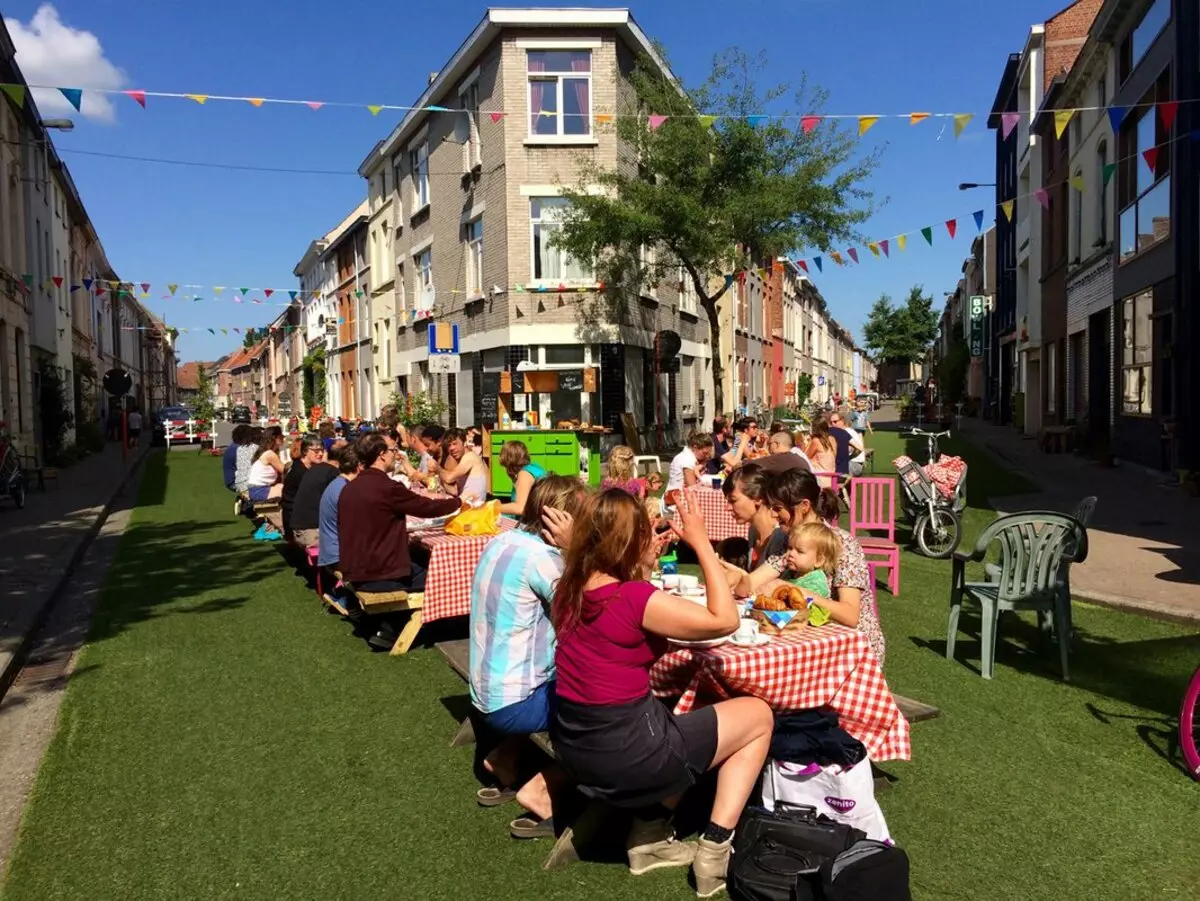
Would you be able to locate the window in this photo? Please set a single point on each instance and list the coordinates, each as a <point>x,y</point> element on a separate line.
<point>545,214</point>
<point>468,99</point>
<point>383,184</point>
<point>400,300</point>
<point>1077,221</point>
<point>474,238</point>
<point>1102,94</point>
<point>419,164</point>
<point>1136,354</point>
<point>396,168</point>
<point>687,292</point>
<point>560,92</point>
<point>1135,45</point>
<point>423,275</point>
<point>1145,191</point>
<point>646,259</point>
<point>1101,195</point>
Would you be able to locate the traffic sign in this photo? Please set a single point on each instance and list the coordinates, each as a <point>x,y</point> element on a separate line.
<point>445,363</point>
<point>117,382</point>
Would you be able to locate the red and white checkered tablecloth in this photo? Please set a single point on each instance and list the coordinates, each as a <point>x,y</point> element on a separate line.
<point>452,562</point>
<point>719,521</point>
<point>831,666</point>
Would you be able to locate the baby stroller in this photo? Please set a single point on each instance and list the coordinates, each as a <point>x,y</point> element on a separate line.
<point>934,498</point>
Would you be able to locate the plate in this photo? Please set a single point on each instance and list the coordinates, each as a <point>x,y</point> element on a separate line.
<point>711,643</point>
<point>758,641</point>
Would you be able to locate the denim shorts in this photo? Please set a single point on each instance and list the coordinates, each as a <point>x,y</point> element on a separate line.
<point>259,493</point>
<point>525,717</point>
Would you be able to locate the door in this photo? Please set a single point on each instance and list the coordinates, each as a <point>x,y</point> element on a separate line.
<point>1099,377</point>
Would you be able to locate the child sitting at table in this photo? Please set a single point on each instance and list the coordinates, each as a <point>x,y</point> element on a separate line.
<point>814,550</point>
<point>654,482</point>
<point>621,473</point>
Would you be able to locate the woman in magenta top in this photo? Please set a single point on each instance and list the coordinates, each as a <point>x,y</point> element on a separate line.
<point>616,739</point>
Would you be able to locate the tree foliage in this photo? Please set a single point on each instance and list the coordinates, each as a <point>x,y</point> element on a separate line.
<point>712,196</point>
<point>54,404</point>
<point>313,386</point>
<point>252,336</point>
<point>952,369</point>
<point>902,334</point>
<point>205,407</point>
<point>415,409</point>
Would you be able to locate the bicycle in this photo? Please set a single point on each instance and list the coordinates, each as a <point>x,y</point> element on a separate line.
<point>931,441</point>
<point>1189,726</point>
<point>936,519</point>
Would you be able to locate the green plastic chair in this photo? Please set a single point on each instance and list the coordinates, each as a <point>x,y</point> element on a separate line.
<point>1034,547</point>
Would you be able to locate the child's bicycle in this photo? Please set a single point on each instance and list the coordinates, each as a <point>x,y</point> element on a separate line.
<point>1189,726</point>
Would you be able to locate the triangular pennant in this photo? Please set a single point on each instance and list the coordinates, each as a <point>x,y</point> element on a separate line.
<point>883,245</point>
<point>87,284</point>
<point>706,121</point>
<point>1008,121</point>
<point>902,242</point>
<point>375,109</point>
<point>961,120</point>
<point>211,332</point>
<point>217,289</point>
<point>1166,113</point>
<point>873,247</point>
<point>74,97</point>
<point>865,123</point>
<point>951,227</point>
<point>145,286</point>
<point>74,288</point>
<point>1116,115</point>
<point>1109,169</point>
<point>224,331</point>
<point>267,292</point>
<point>803,265</point>
<point>808,123</point>
<point>495,117</point>
<point>817,263</point>
<point>836,257</point>
<point>358,294</point>
<point>603,118</point>
<point>914,118</point>
<point>199,98</point>
<point>927,234</point>
<point>1077,183</point>
<point>244,291</point>
<point>1043,197</point>
<point>138,96</point>
<point>1007,206</point>
<point>172,289</point>
<point>236,330</point>
<point>755,121</point>
<point>656,121</point>
<point>313,104</point>
<point>57,279</point>
<point>1151,158</point>
<point>1062,118</point>
<point>978,214</point>
<point>853,253</point>
<point>16,92</point>
<point>255,101</point>
<point>292,295</point>
<point>433,108</point>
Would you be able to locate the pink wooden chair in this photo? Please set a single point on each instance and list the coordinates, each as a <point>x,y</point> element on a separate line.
<point>835,482</point>
<point>873,509</point>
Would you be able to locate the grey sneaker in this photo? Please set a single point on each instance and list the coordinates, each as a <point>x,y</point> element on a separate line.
<point>652,845</point>
<point>710,867</point>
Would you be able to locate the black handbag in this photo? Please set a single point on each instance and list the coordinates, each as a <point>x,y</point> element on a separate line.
<point>778,855</point>
<point>869,871</point>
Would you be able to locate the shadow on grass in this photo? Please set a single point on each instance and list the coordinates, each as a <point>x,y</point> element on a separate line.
<point>1159,734</point>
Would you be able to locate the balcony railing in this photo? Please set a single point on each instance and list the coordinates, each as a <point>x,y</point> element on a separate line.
<point>1147,220</point>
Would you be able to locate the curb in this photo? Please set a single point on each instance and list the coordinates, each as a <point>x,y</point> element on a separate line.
<point>1141,608</point>
<point>12,666</point>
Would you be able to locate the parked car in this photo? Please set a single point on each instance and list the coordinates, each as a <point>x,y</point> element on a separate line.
<point>240,415</point>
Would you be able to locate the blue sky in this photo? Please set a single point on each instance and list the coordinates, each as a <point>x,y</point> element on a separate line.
<point>165,223</point>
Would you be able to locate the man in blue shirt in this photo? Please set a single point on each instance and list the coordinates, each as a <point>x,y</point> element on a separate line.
<point>328,549</point>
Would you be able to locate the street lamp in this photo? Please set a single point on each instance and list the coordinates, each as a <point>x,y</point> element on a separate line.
<point>967,185</point>
<point>56,125</point>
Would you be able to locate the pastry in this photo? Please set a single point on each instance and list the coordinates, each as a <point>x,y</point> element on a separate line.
<point>791,596</point>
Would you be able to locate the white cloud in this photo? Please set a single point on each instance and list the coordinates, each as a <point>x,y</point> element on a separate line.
<point>52,53</point>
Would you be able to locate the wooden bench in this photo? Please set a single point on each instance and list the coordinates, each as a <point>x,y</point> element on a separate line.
<point>374,603</point>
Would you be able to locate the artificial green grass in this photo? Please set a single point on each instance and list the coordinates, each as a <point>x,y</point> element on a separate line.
<point>223,738</point>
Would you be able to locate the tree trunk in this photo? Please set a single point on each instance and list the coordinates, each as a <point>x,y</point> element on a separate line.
<point>718,370</point>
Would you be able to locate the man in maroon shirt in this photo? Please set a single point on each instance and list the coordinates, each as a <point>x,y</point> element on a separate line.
<point>372,532</point>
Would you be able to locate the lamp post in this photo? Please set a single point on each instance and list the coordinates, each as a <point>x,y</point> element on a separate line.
<point>968,185</point>
<point>56,125</point>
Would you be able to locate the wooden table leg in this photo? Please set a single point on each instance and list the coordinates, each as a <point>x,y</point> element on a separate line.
<point>465,734</point>
<point>578,836</point>
<point>408,634</point>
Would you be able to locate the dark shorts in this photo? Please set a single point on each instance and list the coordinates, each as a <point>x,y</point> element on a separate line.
<point>413,582</point>
<point>635,754</point>
<point>259,493</point>
<point>528,716</point>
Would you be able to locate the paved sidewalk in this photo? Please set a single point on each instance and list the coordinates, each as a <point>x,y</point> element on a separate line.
<point>42,544</point>
<point>1144,538</point>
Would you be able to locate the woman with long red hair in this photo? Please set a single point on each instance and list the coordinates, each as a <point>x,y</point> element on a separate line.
<point>617,740</point>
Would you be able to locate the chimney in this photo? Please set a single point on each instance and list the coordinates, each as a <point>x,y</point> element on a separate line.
<point>433,77</point>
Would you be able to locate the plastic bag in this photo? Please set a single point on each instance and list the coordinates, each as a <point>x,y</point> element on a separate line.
<point>483,520</point>
<point>847,796</point>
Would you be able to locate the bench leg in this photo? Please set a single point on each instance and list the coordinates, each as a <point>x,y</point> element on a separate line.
<point>578,836</point>
<point>465,735</point>
<point>408,634</point>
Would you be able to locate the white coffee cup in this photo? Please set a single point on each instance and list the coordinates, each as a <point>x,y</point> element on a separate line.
<point>747,631</point>
<point>688,582</point>
<point>670,582</point>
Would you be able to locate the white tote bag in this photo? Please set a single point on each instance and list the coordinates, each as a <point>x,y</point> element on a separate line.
<point>846,795</point>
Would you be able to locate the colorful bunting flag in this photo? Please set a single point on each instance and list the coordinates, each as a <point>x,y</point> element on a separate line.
<point>211,332</point>
<point>437,109</point>
<point>706,121</point>
<point>817,263</point>
<point>1062,118</point>
<point>865,123</point>
<point>1151,158</point>
<point>1166,113</point>
<point>853,254</point>
<point>656,121</point>
<point>836,257</point>
<point>255,101</point>
<point>961,120</point>
<point>16,93</point>
<point>145,287</point>
<point>292,295</point>
<point>883,245</point>
<point>1007,206</point>
<point>57,279</point>
<point>217,289</point>
<point>1116,115</point>
<point>74,97</point>
<point>495,117</point>
<point>1109,169</point>
<point>601,118</point>
<point>1077,182</point>
<point>902,242</point>
<point>978,214</point>
<point>87,284</point>
<point>927,234</point>
<point>873,247</point>
<point>172,289</point>
<point>914,118</point>
<point>803,265</point>
<point>244,291</point>
<point>808,123</point>
<point>375,109</point>
<point>1043,197</point>
<point>952,227</point>
<point>1008,121</point>
<point>199,98</point>
<point>138,96</point>
<point>267,292</point>
<point>755,121</point>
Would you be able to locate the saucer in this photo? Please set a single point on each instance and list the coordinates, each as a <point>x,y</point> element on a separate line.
<point>757,642</point>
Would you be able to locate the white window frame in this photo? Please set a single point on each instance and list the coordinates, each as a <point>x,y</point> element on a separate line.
<point>473,236</point>
<point>648,259</point>
<point>468,99</point>
<point>583,277</point>
<point>557,79</point>
<point>422,274</point>
<point>401,304</point>
<point>418,161</point>
<point>688,299</point>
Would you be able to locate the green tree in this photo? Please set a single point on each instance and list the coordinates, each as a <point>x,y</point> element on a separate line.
<point>314,379</point>
<point>415,409</point>
<point>711,195</point>
<point>252,336</point>
<point>952,369</point>
<point>902,334</point>
<point>55,409</point>
<point>205,407</point>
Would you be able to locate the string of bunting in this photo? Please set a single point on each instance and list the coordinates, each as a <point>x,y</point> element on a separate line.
<point>1009,120</point>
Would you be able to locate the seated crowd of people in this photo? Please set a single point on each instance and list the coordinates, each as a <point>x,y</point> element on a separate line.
<point>565,624</point>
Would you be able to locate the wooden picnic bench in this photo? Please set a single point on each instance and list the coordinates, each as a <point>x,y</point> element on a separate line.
<point>374,603</point>
<point>590,821</point>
